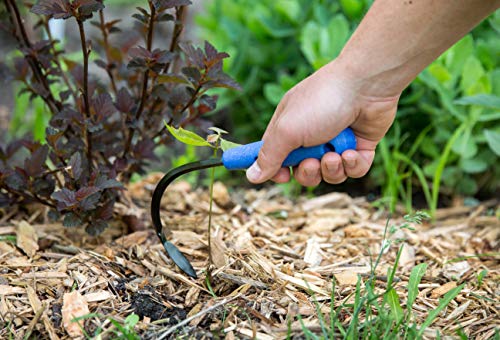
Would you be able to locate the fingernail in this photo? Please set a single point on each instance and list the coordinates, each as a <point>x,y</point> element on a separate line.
<point>310,173</point>
<point>254,172</point>
<point>350,163</point>
<point>331,168</point>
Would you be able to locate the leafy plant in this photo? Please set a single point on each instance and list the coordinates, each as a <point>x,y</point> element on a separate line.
<point>120,331</point>
<point>450,119</point>
<point>101,131</point>
<point>216,142</point>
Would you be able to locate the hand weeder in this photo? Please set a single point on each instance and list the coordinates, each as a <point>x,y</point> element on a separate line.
<point>240,157</point>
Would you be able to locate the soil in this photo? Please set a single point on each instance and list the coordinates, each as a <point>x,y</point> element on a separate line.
<point>265,248</point>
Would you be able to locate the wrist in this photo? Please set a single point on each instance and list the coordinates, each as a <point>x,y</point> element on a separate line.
<point>367,82</point>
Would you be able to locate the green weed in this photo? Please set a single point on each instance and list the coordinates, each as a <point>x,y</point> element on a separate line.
<point>377,313</point>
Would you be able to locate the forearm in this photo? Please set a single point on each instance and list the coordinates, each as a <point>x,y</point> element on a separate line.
<point>398,38</point>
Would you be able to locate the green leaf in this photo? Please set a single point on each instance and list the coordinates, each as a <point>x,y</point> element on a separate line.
<point>493,139</point>
<point>273,93</point>
<point>456,56</point>
<point>439,72</point>
<point>132,320</point>
<point>487,100</point>
<point>415,277</point>
<point>442,303</point>
<point>473,165</point>
<point>187,137</point>
<point>465,145</point>
<point>393,300</point>
<point>320,44</point>
<point>471,75</point>
<point>226,145</point>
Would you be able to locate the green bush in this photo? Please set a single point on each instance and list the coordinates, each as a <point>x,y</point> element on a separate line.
<point>274,45</point>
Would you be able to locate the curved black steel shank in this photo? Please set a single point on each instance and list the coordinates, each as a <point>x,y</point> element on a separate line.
<point>179,259</point>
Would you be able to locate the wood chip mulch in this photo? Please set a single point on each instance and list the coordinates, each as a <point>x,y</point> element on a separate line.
<point>268,254</point>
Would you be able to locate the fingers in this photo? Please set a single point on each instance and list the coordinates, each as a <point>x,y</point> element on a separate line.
<point>336,168</point>
<point>279,141</point>
<point>308,173</point>
<point>282,176</point>
<point>332,168</point>
<point>357,163</point>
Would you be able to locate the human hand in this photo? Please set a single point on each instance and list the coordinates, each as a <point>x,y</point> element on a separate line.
<point>315,111</point>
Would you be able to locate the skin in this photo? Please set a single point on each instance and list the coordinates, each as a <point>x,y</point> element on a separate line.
<point>395,41</point>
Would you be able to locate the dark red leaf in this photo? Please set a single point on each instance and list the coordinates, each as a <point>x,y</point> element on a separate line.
<point>95,228</point>
<point>71,220</point>
<point>58,9</point>
<point>35,165</point>
<point>76,165</point>
<point>65,197</point>
<point>85,192</point>
<point>124,101</point>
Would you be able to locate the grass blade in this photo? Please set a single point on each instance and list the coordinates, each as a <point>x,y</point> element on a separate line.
<point>393,301</point>
<point>436,183</point>
<point>442,303</point>
<point>415,277</point>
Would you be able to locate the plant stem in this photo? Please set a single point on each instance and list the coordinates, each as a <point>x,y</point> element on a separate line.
<point>178,27</point>
<point>56,60</point>
<point>212,178</point>
<point>105,40</point>
<point>144,90</point>
<point>54,105</point>
<point>85,92</point>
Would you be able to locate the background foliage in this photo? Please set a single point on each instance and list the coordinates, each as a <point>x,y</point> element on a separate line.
<point>276,44</point>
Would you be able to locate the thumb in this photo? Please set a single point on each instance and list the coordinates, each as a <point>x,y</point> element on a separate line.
<point>277,145</point>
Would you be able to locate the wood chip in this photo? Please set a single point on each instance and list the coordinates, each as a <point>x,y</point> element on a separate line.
<point>347,278</point>
<point>9,290</point>
<point>313,254</point>
<point>44,275</point>
<point>440,291</point>
<point>74,305</point>
<point>27,238</point>
<point>102,295</point>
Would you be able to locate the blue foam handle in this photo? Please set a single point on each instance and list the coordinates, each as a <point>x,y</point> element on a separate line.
<point>242,157</point>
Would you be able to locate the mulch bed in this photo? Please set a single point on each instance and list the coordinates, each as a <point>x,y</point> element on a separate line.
<point>268,254</point>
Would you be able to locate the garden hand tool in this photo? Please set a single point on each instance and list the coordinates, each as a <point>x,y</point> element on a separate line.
<point>238,158</point>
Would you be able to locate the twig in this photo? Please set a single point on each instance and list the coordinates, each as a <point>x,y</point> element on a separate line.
<point>56,60</point>
<point>54,105</point>
<point>106,50</point>
<point>197,315</point>
<point>178,27</point>
<point>149,45</point>
<point>85,92</point>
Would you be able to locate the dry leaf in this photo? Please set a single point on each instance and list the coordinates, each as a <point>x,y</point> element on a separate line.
<point>74,305</point>
<point>27,239</point>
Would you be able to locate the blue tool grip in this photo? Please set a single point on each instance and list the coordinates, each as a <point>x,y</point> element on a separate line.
<point>242,157</point>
